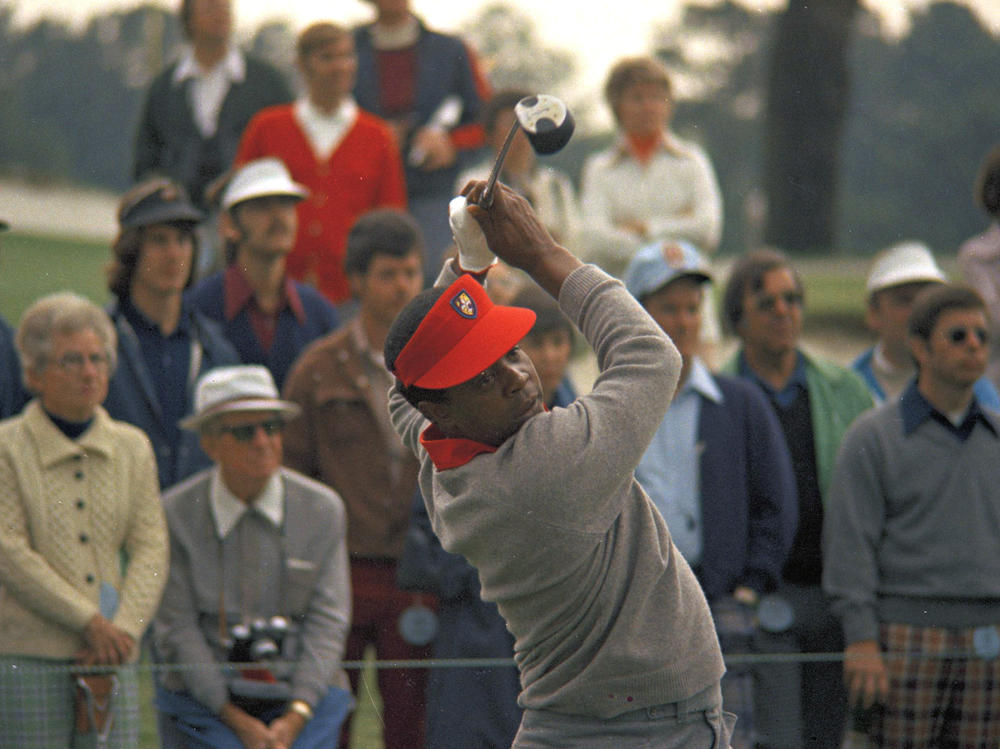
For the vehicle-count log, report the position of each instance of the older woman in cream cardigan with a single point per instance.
(83, 542)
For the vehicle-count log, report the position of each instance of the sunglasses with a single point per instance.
(246, 432)
(959, 336)
(768, 303)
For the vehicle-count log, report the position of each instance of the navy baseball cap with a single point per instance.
(156, 201)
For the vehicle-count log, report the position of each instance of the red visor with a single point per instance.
(462, 334)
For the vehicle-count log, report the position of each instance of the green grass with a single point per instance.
(31, 267)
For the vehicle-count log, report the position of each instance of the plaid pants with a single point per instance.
(938, 696)
(36, 707)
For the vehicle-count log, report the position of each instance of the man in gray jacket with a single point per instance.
(911, 559)
(613, 637)
(259, 577)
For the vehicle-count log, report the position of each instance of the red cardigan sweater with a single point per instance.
(363, 172)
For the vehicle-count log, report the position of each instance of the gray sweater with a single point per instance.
(606, 614)
(912, 525)
(299, 570)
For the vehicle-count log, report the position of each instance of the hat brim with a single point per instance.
(165, 214)
(904, 279)
(287, 409)
(496, 333)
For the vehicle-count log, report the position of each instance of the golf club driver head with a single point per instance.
(546, 121)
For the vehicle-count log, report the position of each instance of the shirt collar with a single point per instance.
(668, 144)
(238, 295)
(451, 452)
(227, 509)
(798, 378)
(139, 322)
(233, 66)
(916, 410)
(700, 380)
(343, 115)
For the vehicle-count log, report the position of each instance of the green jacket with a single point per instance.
(836, 397)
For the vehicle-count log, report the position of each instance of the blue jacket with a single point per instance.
(13, 395)
(986, 392)
(443, 69)
(290, 338)
(132, 393)
(749, 504)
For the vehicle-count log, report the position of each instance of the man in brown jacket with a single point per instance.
(345, 440)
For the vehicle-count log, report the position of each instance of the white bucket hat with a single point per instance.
(906, 262)
(241, 388)
(261, 178)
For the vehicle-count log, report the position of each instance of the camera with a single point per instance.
(260, 641)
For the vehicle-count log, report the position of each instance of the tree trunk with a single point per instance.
(806, 109)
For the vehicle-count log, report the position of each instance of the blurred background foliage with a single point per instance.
(920, 110)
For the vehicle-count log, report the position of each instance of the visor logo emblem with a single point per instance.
(464, 305)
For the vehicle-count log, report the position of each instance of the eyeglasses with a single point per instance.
(72, 362)
(768, 303)
(246, 432)
(958, 336)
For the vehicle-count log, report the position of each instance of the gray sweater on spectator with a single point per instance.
(911, 526)
(606, 614)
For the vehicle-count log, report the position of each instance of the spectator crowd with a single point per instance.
(221, 471)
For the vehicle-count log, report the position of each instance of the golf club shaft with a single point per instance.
(487, 197)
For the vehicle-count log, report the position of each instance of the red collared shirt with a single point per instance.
(239, 295)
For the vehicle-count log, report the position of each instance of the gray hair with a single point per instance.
(61, 313)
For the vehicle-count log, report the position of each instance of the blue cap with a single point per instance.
(657, 264)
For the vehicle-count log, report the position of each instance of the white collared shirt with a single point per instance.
(209, 87)
(227, 509)
(325, 131)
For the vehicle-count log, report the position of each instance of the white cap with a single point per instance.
(261, 178)
(240, 388)
(906, 262)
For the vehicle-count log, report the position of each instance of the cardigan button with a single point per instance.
(78, 475)
(90, 579)
(80, 504)
(315, 229)
(83, 538)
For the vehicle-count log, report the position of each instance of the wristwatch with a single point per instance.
(302, 708)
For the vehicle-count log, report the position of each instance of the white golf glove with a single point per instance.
(474, 254)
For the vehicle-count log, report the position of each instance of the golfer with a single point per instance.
(613, 638)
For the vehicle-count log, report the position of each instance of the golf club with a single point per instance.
(547, 123)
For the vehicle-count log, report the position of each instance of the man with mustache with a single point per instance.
(268, 317)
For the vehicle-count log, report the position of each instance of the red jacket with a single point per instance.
(364, 172)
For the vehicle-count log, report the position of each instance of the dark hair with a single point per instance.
(125, 254)
(502, 101)
(317, 36)
(748, 275)
(987, 190)
(632, 71)
(931, 303)
(384, 231)
(400, 333)
(548, 316)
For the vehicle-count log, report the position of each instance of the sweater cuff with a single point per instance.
(860, 624)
